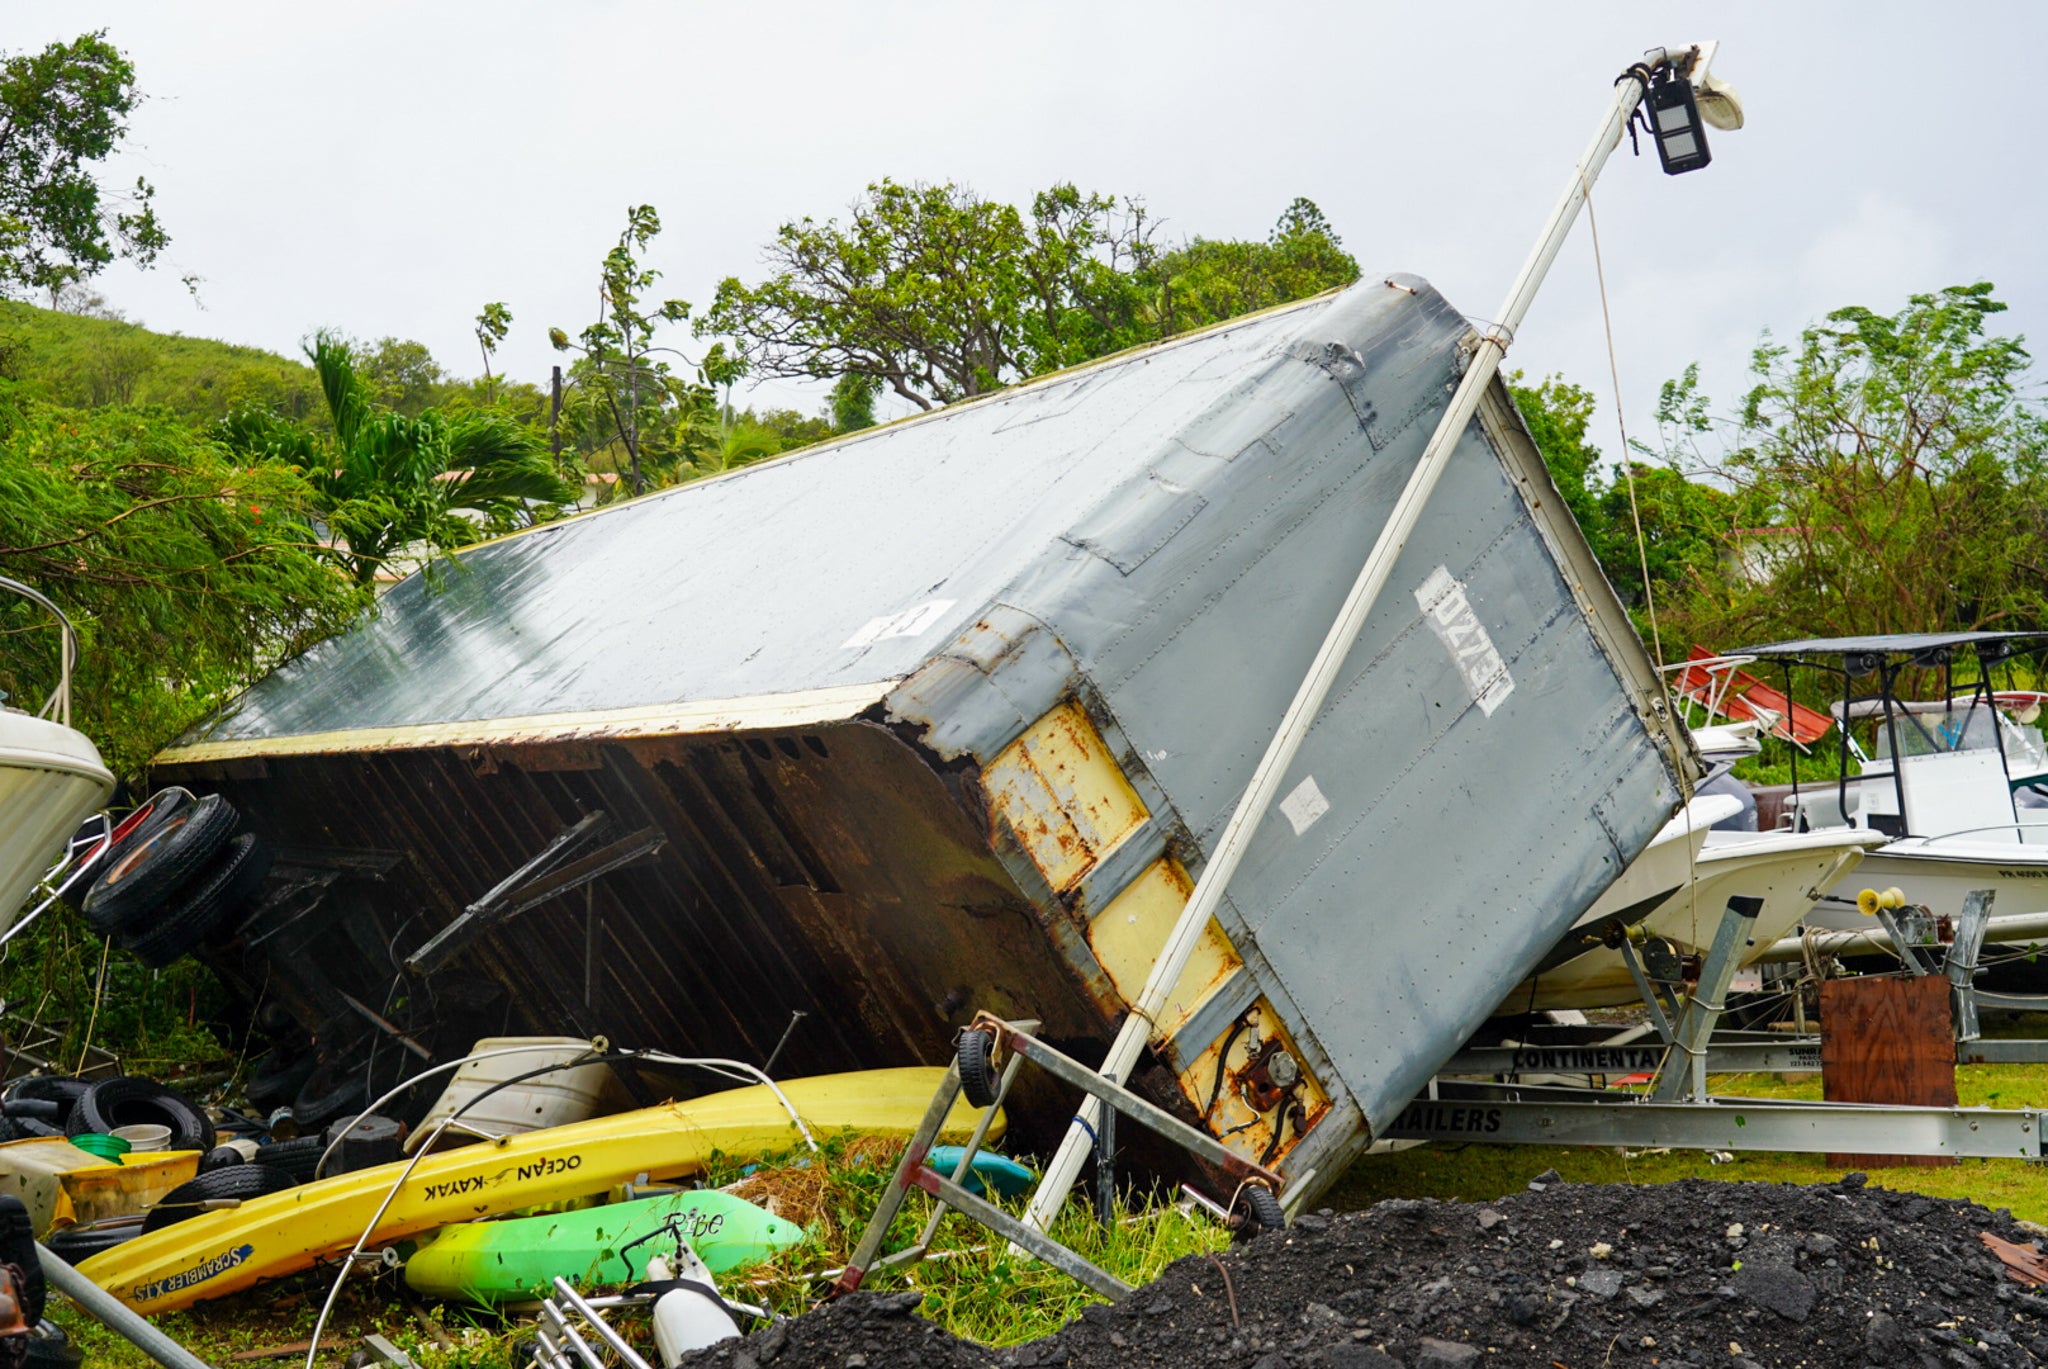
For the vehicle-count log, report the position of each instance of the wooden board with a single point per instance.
(1887, 1040)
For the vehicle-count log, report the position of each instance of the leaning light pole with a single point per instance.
(1673, 88)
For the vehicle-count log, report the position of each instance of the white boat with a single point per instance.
(1951, 783)
(51, 776)
(1691, 870)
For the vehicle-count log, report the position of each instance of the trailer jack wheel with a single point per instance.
(1257, 1212)
(974, 1051)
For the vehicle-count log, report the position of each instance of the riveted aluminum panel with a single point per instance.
(1156, 544)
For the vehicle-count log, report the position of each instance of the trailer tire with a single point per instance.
(128, 1099)
(60, 1089)
(145, 819)
(328, 1094)
(295, 1157)
(221, 1157)
(1258, 1212)
(167, 858)
(236, 1181)
(221, 890)
(78, 1243)
(974, 1053)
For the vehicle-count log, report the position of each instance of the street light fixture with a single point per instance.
(1675, 123)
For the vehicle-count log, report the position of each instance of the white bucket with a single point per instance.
(547, 1100)
(145, 1136)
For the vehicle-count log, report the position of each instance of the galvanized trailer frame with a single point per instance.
(1680, 1112)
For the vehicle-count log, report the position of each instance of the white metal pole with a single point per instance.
(1315, 686)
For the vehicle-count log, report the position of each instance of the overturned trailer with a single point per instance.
(944, 716)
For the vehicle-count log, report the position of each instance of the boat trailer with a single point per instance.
(1679, 1047)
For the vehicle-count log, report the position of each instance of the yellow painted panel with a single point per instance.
(1063, 794)
(1231, 1111)
(1128, 934)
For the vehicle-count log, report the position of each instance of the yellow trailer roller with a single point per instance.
(222, 1252)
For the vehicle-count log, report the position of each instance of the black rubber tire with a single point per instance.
(26, 1127)
(154, 810)
(974, 1051)
(220, 891)
(1258, 1212)
(18, 1248)
(75, 1244)
(60, 1089)
(166, 860)
(332, 1091)
(50, 1348)
(276, 1081)
(295, 1157)
(42, 1109)
(128, 1100)
(221, 1157)
(237, 1181)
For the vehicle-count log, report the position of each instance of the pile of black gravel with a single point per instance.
(1573, 1275)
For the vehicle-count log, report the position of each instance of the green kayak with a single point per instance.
(518, 1258)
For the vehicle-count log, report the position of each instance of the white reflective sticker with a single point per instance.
(1449, 615)
(909, 623)
(1303, 805)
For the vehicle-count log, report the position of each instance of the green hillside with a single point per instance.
(75, 360)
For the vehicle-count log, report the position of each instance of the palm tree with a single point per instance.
(385, 483)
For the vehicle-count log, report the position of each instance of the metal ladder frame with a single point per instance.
(1016, 1040)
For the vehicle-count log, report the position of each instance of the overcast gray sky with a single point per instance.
(387, 168)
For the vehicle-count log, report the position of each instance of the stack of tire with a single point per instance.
(176, 872)
(46, 1105)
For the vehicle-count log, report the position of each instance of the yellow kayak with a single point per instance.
(223, 1252)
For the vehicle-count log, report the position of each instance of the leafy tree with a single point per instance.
(937, 294)
(188, 571)
(621, 365)
(62, 111)
(853, 403)
(1208, 281)
(1685, 523)
(384, 482)
(401, 374)
(491, 326)
(1895, 469)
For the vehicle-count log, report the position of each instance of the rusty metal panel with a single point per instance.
(1062, 795)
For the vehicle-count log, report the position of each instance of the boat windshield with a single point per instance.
(1924, 731)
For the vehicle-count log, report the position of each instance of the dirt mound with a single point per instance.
(1578, 1276)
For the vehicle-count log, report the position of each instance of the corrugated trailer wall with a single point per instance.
(962, 740)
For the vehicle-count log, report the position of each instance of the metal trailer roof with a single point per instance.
(1164, 536)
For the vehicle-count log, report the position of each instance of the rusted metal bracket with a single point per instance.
(912, 1172)
(533, 884)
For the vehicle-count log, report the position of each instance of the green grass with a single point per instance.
(1479, 1173)
(973, 1286)
(976, 1289)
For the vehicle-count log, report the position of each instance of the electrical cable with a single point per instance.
(1243, 1024)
